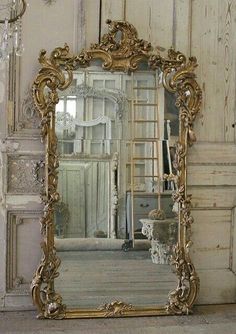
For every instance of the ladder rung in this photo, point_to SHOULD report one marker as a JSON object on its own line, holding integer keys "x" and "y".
{"x": 139, "y": 158}
{"x": 145, "y": 104}
{"x": 145, "y": 121}
{"x": 137, "y": 100}
{"x": 135, "y": 164}
{"x": 156, "y": 176}
{"x": 140, "y": 161}
{"x": 145, "y": 88}
{"x": 144, "y": 140}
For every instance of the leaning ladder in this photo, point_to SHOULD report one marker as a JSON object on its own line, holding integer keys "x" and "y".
{"x": 151, "y": 118}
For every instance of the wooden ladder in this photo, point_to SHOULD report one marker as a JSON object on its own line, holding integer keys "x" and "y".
{"x": 150, "y": 118}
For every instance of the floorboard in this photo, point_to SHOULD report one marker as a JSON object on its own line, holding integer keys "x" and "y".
{"x": 92, "y": 278}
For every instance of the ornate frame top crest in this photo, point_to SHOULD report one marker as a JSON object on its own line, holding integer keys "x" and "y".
{"x": 120, "y": 50}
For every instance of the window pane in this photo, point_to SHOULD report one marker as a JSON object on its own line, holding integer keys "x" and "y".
{"x": 60, "y": 106}
{"x": 71, "y": 107}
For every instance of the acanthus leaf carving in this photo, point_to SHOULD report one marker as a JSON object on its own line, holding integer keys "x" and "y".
{"x": 179, "y": 78}
{"x": 47, "y": 300}
{"x": 118, "y": 53}
{"x": 116, "y": 308}
{"x": 50, "y": 79}
{"x": 182, "y": 298}
{"x": 129, "y": 43}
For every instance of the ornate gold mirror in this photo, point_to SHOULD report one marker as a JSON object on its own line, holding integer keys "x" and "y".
{"x": 117, "y": 120}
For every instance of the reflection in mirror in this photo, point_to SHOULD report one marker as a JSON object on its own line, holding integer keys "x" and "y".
{"x": 115, "y": 224}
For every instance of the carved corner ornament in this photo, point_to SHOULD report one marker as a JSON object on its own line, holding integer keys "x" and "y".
{"x": 120, "y": 50}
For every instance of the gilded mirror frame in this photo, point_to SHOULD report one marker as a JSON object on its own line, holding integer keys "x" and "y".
{"x": 56, "y": 74}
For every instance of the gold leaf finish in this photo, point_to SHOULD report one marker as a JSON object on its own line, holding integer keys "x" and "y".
{"x": 183, "y": 297}
{"x": 115, "y": 308}
{"x": 48, "y": 302}
{"x": 123, "y": 55}
{"x": 56, "y": 74}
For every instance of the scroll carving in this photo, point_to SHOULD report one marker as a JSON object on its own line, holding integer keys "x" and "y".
{"x": 56, "y": 75}
{"x": 179, "y": 78}
{"x": 183, "y": 297}
{"x": 46, "y": 299}
{"x": 115, "y": 308}
{"x": 122, "y": 55}
{"x": 50, "y": 79}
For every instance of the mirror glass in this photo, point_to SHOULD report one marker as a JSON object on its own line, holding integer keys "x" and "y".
{"x": 115, "y": 223}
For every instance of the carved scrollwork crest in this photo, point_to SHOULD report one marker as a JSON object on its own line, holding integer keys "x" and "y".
{"x": 118, "y": 54}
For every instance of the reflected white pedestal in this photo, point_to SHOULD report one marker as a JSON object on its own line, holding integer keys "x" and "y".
{"x": 163, "y": 236}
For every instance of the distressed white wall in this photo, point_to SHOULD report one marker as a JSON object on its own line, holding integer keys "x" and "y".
{"x": 203, "y": 28}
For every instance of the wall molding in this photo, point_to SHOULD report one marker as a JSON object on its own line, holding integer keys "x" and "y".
{"x": 16, "y": 282}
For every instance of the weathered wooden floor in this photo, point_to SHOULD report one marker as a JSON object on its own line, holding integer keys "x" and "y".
{"x": 214, "y": 319}
{"x": 93, "y": 278}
